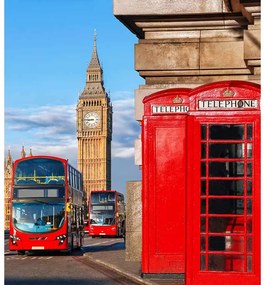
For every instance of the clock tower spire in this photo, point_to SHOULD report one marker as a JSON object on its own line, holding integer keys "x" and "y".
{"x": 94, "y": 74}
{"x": 94, "y": 128}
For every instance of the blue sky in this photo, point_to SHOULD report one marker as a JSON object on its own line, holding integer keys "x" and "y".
{"x": 47, "y": 47}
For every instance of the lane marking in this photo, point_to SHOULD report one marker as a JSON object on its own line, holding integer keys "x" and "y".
{"x": 27, "y": 257}
{"x": 103, "y": 242}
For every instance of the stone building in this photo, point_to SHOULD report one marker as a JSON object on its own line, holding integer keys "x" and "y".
{"x": 7, "y": 184}
{"x": 187, "y": 44}
{"x": 7, "y": 188}
{"x": 94, "y": 129}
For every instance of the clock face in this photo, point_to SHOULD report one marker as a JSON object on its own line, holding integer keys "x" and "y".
{"x": 92, "y": 119}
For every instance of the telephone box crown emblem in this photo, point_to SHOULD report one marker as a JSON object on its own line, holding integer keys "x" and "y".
{"x": 177, "y": 100}
{"x": 228, "y": 93}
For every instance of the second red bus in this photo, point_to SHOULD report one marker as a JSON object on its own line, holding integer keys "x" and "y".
{"x": 106, "y": 213}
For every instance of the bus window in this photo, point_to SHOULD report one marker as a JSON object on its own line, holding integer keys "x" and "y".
{"x": 39, "y": 171}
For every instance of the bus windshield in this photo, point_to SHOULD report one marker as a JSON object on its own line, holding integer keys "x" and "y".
{"x": 102, "y": 219}
{"x": 102, "y": 208}
{"x": 39, "y": 171}
{"x": 38, "y": 216}
{"x": 102, "y": 197}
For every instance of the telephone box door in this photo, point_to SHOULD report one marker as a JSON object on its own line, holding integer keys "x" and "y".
{"x": 164, "y": 195}
{"x": 225, "y": 195}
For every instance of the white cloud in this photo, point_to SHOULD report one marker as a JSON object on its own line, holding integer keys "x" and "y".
{"x": 52, "y": 129}
{"x": 52, "y": 119}
{"x": 47, "y": 130}
{"x": 119, "y": 150}
{"x": 126, "y": 129}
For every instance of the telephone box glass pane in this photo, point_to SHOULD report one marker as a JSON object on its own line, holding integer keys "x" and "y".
{"x": 226, "y": 187}
{"x": 218, "y": 169}
{"x": 216, "y": 243}
{"x": 226, "y": 132}
{"x": 216, "y": 262}
{"x": 220, "y": 224}
{"x": 249, "y": 264}
{"x": 249, "y": 187}
{"x": 203, "y": 132}
{"x": 203, "y": 206}
{"x": 249, "y": 150}
{"x": 249, "y": 206}
{"x": 227, "y": 243}
{"x": 203, "y": 222}
{"x": 228, "y": 169}
{"x": 203, "y": 242}
{"x": 226, "y": 206}
{"x": 222, "y": 150}
{"x": 250, "y": 129}
{"x": 203, "y": 262}
{"x": 203, "y": 187}
{"x": 249, "y": 169}
{"x": 249, "y": 224}
{"x": 203, "y": 169}
{"x": 249, "y": 244}
{"x": 233, "y": 262}
{"x": 203, "y": 150}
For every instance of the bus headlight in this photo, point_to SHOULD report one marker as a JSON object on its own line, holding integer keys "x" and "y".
{"x": 14, "y": 239}
{"x": 61, "y": 238}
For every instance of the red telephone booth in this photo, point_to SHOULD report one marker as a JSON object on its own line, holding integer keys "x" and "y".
{"x": 164, "y": 182}
{"x": 201, "y": 183}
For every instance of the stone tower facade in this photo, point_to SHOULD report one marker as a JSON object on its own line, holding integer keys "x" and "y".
{"x": 94, "y": 129}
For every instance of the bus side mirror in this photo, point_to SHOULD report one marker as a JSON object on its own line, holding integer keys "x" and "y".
{"x": 68, "y": 207}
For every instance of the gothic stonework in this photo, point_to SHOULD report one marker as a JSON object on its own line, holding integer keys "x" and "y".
{"x": 8, "y": 171}
{"x": 7, "y": 186}
{"x": 94, "y": 129}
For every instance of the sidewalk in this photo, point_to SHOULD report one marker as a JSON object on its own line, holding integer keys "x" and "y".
{"x": 114, "y": 259}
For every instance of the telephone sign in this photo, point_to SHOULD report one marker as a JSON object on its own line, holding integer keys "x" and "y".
{"x": 169, "y": 109}
{"x": 201, "y": 184}
{"x": 227, "y": 104}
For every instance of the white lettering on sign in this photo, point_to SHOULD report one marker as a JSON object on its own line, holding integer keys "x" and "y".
{"x": 227, "y": 104}
{"x": 169, "y": 109}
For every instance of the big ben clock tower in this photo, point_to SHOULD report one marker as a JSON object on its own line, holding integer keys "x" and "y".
{"x": 94, "y": 129}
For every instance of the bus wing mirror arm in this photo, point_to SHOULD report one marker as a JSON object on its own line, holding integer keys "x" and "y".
{"x": 68, "y": 207}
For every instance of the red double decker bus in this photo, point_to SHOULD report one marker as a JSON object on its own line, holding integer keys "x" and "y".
{"x": 106, "y": 213}
{"x": 47, "y": 205}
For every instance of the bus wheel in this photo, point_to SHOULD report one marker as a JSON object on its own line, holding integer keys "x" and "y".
{"x": 21, "y": 252}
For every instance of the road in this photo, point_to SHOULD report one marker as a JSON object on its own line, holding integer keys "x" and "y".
{"x": 57, "y": 268}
